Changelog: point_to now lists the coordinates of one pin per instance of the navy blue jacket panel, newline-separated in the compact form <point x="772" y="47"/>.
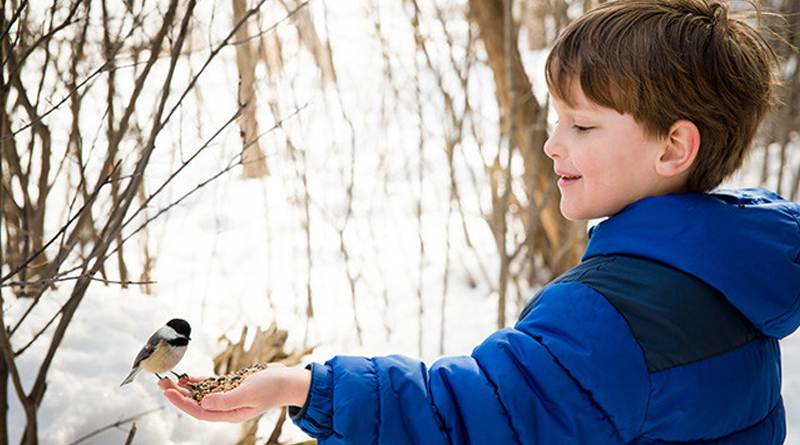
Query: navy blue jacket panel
<point x="666" y="333"/>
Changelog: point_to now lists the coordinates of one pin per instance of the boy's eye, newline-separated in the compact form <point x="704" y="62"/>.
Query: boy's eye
<point x="581" y="128"/>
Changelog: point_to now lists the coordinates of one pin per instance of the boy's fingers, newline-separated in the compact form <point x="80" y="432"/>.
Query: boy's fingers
<point x="191" y="378"/>
<point x="187" y="405"/>
<point x="166" y="384"/>
<point x="181" y="401"/>
<point x="192" y="408"/>
<point x="235" y="416"/>
<point x="227" y="401"/>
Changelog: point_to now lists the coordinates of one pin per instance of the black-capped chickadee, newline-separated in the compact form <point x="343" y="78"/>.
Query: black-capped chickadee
<point x="163" y="350"/>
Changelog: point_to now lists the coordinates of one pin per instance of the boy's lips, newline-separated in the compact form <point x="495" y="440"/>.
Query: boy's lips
<point x="566" y="179"/>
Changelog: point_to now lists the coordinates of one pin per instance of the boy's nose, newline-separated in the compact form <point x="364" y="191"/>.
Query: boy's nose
<point x="552" y="148"/>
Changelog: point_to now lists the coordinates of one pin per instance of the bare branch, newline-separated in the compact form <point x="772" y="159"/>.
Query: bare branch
<point x="22" y="6"/>
<point x="63" y="229"/>
<point x="50" y="281"/>
<point x="117" y="424"/>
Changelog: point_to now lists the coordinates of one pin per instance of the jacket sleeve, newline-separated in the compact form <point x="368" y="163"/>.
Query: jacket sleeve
<point x="569" y="372"/>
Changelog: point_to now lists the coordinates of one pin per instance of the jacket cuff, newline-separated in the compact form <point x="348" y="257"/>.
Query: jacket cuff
<point x="315" y="417"/>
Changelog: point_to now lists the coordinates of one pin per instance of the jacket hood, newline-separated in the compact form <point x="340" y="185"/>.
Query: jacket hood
<point x="744" y="243"/>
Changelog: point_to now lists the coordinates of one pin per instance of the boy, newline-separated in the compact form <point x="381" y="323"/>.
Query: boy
<point x="667" y="332"/>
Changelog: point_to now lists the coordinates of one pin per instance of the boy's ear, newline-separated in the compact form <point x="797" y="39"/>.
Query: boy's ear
<point x="680" y="149"/>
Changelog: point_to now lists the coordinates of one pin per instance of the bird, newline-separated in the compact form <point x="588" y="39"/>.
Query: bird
<point x="163" y="350"/>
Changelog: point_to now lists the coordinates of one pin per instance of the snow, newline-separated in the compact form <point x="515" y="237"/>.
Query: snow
<point x="790" y="347"/>
<point x="83" y="392"/>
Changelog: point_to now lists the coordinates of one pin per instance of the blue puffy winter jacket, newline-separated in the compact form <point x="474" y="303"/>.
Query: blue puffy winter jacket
<point x="666" y="333"/>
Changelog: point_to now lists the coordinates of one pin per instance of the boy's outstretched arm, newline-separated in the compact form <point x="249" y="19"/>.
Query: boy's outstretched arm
<point x="275" y="386"/>
<point x="551" y="377"/>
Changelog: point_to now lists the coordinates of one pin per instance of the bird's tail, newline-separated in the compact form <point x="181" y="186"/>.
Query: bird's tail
<point x="131" y="376"/>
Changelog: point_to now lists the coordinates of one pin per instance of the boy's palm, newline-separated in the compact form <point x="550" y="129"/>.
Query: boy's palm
<point x="258" y="393"/>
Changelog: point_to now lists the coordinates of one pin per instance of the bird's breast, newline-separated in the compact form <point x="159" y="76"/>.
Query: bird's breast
<point x="164" y="358"/>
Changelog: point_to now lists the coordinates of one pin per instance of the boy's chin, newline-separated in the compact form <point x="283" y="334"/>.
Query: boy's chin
<point x="582" y="213"/>
<point x="573" y="213"/>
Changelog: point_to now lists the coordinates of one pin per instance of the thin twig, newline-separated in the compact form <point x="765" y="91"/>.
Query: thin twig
<point x="50" y="281"/>
<point x="272" y="27"/>
<point x="117" y="425"/>
<point x="131" y="433"/>
<point x="39" y="118"/>
<point x="63" y="229"/>
<point x="13" y="20"/>
<point x="236" y="160"/>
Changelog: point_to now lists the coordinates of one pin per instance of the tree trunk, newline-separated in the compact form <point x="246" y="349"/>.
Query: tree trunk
<point x="253" y="161"/>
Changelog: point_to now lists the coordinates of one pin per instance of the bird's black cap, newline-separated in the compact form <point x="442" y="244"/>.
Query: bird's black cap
<point x="181" y="326"/>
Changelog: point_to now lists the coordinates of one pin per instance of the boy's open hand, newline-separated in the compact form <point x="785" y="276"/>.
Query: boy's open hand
<point x="261" y="391"/>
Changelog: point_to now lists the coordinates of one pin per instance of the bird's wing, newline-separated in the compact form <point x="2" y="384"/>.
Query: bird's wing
<point x="134" y="372"/>
<point x="148" y="349"/>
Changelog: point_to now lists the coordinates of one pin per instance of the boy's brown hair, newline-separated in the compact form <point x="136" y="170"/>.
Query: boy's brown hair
<point x="666" y="60"/>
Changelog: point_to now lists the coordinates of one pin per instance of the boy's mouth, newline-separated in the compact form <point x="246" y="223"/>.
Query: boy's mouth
<point x="566" y="180"/>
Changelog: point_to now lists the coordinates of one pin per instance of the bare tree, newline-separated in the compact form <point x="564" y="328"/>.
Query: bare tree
<point x="95" y="188"/>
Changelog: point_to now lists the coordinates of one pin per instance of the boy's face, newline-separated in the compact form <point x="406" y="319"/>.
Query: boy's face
<point x="605" y="160"/>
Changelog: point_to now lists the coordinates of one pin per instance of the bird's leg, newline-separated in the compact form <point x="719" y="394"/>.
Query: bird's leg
<point x="159" y="377"/>
<point x="180" y="376"/>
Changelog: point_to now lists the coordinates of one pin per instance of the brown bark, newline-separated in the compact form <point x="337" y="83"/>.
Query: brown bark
<point x="253" y="161"/>
<point x="553" y="237"/>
